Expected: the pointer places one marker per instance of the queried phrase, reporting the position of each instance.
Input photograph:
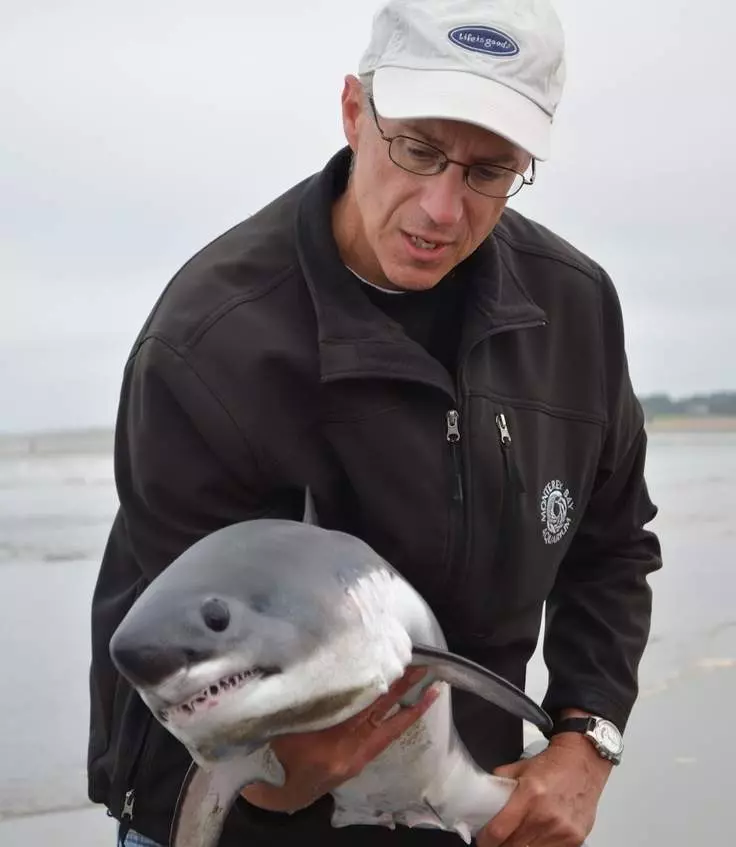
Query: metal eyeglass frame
(447, 160)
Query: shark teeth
(207, 697)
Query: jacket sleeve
(599, 611)
(183, 468)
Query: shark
(274, 626)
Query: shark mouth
(210, 696)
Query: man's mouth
(210, 696)
(425, 246)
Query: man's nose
(443, 196)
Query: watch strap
(573, 725)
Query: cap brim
(407, 93)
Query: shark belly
(425, 779)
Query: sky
(131, 134)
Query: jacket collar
(356, 339)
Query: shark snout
(148, 649)
(149, 664)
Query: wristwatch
(603, 735)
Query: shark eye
(216, 614)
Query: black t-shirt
(432, 318)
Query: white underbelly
(401, 780)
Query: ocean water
(57, 499)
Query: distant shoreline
(100, 440)
(692, 423)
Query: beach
(56, 503)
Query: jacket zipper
(511, 495)
(509, 464)
(453, 439)
(126, 815)
(452, 435)
(126, 818)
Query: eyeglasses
(418, 157)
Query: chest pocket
(529, 489)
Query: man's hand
(555, 802)
(317, 762)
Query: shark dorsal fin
(310, 511)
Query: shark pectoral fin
(204, 801)
(462, 673)
(206, 797)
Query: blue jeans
(135, 839)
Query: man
(450, 380)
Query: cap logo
(484, 39)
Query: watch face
(609, 737)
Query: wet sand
(80, 828)
(675, 788)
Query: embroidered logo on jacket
(554, 511)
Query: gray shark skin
(274, 626)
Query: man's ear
(353, 108)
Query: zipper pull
(503, 430)
(128, 804)
(126, 817)
(453, 426)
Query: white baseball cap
(498, 64)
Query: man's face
(386, 208)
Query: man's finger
(387, 704)
(524, 836)
(391, 728)
(392, 707)
(503, 827)
(411, 677)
